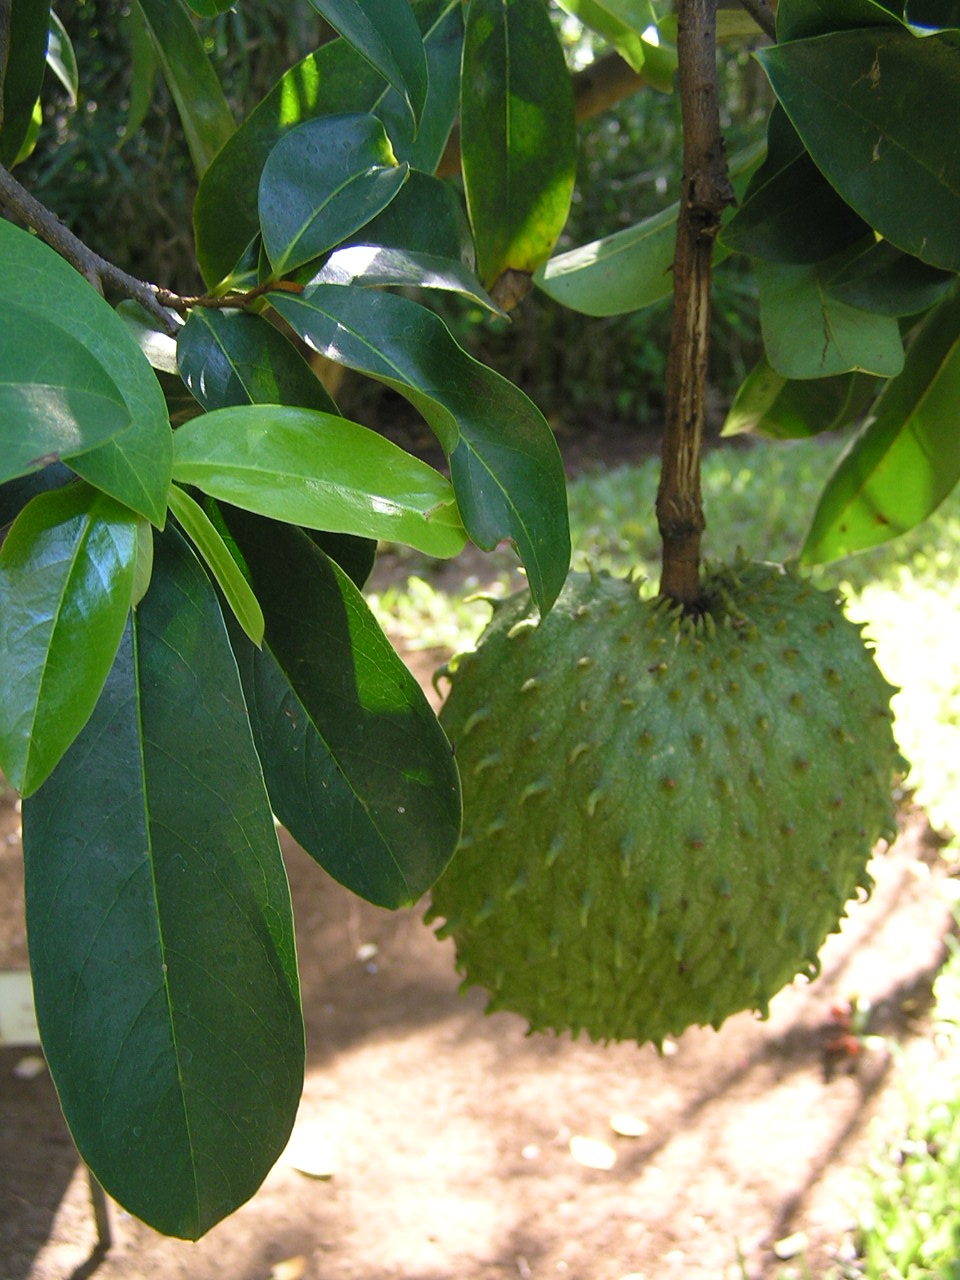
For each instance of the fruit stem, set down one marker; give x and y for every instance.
(705, 192)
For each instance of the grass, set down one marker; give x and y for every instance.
(908, 1210)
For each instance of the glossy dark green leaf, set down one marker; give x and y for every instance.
(630, 269)
(422, 146)
(56, 398)
(230, 358)
(422, 239)
(134, 466)
(801, 19)
(161, 934)
(321, 182)
(355, 556)
(768, 404)
(620, 22)
(24, 29)
(791, 213)
(206, 118)
(66, 577)
(356, 765)
(333, 80)
(386, 34)
(321, 471)
(425, 217)
(156, 344)
(861, 101)
(375, 267)
(808, 334)
(517, 135)
(905, 459)
(61, 58)
(888, 282)
(504, 462)
(204, 535)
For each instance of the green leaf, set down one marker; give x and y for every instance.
(905, 460)
(517, 135)
(421, 146)
(768, 404)
(385, 33)
(791, 213)
(801, 19)
(504, 462)
(372, 266)
(888, 282)
(861, 101)
(231, 358)
(161, 934)
(425, 217)
(193, 84)
(56, 398)
(333, 80)
(808, 334)
(144, 566)
(33, 135)
(355, 556)
(66, 576)
(228, 576)
(321, 183)
(23, 51)
(356, 765)
(318, 470)
(134, 466)
(620, 22)
(157, 345)
(421, 239)
(61, 58)
(144, 65)
(630, 269)
(211, 8)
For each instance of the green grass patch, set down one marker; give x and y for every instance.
(909, 1209)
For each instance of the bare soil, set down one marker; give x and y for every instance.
(444, 1143)
(445, 1135)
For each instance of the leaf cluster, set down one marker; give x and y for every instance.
(188, 522)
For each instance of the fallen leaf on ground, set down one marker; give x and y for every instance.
(628, 1126)
(591, 1153)
(311, 1152)
(289, 1268)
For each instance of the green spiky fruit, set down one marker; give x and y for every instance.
(663, 815)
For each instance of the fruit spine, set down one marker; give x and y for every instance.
(663, 815)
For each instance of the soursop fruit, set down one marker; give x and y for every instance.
(664, 815)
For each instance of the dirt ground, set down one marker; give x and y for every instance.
(447, 1145)
(449, 1142)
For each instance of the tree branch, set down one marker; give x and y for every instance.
(763, 16)
(98, 271)
(705, 192)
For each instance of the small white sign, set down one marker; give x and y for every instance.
(18, 1022)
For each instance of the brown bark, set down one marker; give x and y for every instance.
(705, 192)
